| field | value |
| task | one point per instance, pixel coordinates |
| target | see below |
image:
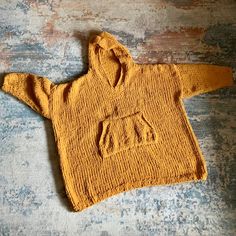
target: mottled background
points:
(50, 38)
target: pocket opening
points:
(126, 132)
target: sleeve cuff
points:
(9, 82)
(229, 81)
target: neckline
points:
(106, 41)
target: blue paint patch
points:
(8, 130)
(4, 229)
(36, 50)
(25, 163)
(105, 233)
(207, 122)
(53, 233)
(216, 36)
(223, 36)
(141, 192)
(6, 30)
(16, 109)
(35, 47)
(50, 194)
(3, 181)
(125, 38)
(23, 5)
(22, 200)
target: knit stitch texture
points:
(122, 125)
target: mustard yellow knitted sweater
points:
(122, 125)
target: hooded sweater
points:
(122, 125)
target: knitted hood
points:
(107, 54)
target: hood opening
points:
(109, 59)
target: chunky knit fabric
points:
(122, 125)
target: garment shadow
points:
(83, 43)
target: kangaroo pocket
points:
(123, 133)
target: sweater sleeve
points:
(33, 90)
(201, 78)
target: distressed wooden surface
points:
(50, 38)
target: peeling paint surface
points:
(50, 38)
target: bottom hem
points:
(79, 206)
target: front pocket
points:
(123, 133)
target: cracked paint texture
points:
(50, 38)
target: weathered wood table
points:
(50, 38)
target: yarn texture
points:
(122, 125)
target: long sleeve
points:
(201, 78)
(34, 90)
